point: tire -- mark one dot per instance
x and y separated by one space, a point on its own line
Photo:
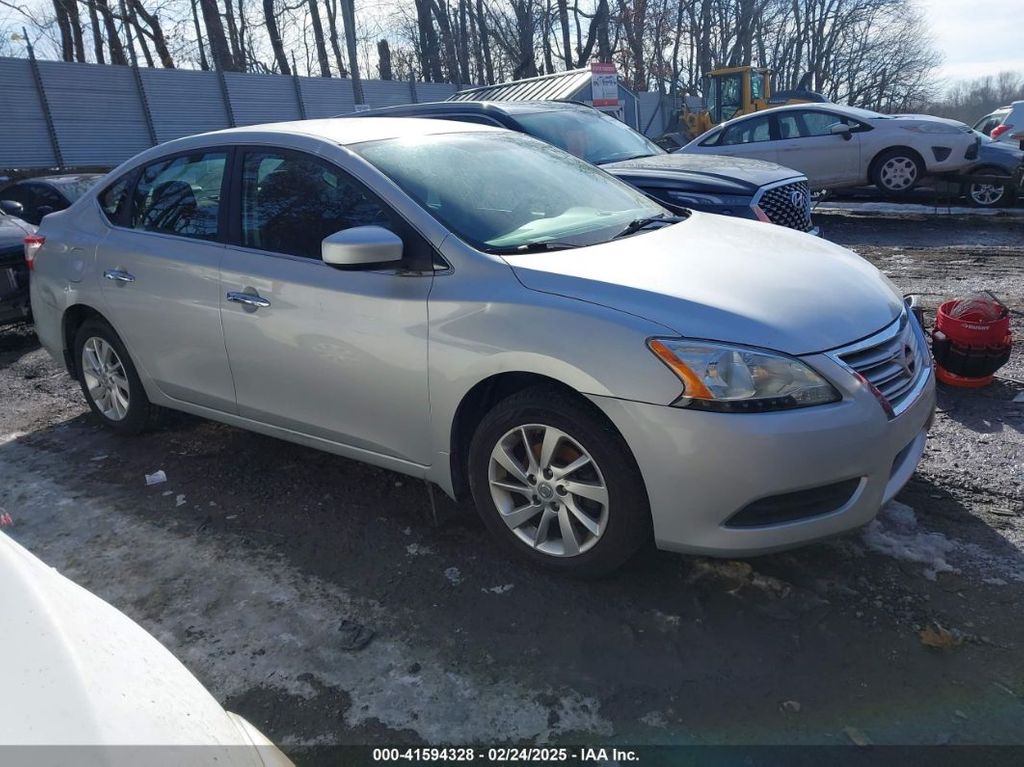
897 171
602 535
988 195
126 408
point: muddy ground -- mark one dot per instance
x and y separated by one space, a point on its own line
318 597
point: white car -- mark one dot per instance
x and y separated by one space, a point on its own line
1004 124
838 146
78 672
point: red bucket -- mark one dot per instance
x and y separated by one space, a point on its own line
971 340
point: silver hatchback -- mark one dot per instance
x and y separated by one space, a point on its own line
484 311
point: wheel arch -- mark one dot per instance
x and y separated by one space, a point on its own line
479 400
73 318
873 165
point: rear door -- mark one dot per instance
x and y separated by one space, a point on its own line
339 354
159 267
806 143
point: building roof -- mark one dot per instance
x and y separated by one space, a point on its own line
561 85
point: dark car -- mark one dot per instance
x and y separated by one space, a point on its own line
14 305
995 159
714 184
32 198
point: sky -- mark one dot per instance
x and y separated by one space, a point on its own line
976 37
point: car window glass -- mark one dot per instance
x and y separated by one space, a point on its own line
464 118
49 197
747 132
113 198
800 124
291 202
180 195
18 193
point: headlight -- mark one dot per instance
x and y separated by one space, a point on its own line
931 128
700 198
734 379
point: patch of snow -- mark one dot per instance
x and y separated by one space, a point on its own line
5 438
453 575
654 719
499 589
156 477
895 533
179 501
418 550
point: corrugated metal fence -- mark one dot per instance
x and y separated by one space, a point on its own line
57 114
74 115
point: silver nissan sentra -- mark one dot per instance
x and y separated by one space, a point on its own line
484 311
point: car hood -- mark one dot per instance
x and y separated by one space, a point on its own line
915 118
79 672
727 280
729 175
1007 155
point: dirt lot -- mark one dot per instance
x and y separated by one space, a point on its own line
318 598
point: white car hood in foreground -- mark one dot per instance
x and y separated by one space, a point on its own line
726 280
77 672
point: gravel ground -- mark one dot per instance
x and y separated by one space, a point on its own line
323 601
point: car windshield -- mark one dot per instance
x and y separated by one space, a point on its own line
588 134
502 191
864 114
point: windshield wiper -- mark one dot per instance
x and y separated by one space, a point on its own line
642 223
532 247
610 160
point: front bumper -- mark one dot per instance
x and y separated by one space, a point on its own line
702 468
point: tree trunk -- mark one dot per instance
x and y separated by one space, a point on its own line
75 20
318 38
232 31
485 41
348 15
97 35
274 33
155 33
67 50
332 23
384 55
563 22
203 63
219 51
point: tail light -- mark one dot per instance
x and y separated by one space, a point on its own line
32 245
999 130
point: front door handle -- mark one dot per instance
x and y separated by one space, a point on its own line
118 275
249 299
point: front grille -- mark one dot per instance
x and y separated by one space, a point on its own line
788 205
892 361
789 507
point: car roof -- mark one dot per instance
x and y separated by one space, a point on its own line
345 131
461 107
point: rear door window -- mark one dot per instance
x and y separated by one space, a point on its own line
750 131
181 195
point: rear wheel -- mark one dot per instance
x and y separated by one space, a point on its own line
109 380
555 483
987 194
897 171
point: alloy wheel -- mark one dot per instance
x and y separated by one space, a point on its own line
987 195
549 490
898 173
105 378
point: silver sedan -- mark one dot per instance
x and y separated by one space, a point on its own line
484 311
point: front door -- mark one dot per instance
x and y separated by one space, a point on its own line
333 353
159 273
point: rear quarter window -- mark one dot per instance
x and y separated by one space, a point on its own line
112 199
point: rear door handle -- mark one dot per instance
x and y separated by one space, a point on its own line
118 275
249 299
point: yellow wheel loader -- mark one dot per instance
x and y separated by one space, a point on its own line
731 92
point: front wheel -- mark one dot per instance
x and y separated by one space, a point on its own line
897 171
555 483
108 378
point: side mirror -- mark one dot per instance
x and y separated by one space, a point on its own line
361 246
12 208
841 129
